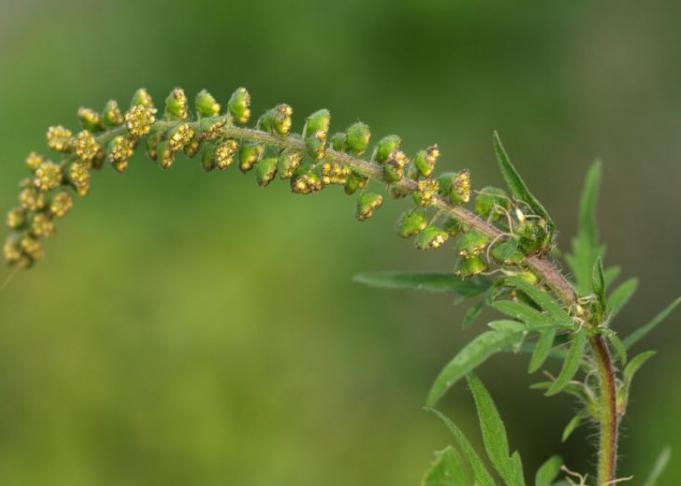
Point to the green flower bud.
(90, 119)
(31, 199)
(355, 182)
(412, 223)
(358, 137)
(386, 146)
(206, 105)
(472, 243)
(192, 147)
(306, 181)
(430, 238)
(397, 191)
(507, 253)
(334, 173)
(367, 203)
(225, 153)
(277, 120)
(79, 176)
(265, 171)
(249, 155)
(528, 277)
(16, 218)
(48, 176)
(111, 115)
(86, 147)
(179, 136)
(490, 203)
(426, 190)
(143, 98)
(316, 145)
(471, 266)
(452, 226)
(42, 225)
(33, 161)
(151, 143)
(139, 120)
(456, 186)
(208, 157)
(288, 163)
(210, 128)
(59, 138)
(31, 247)
(166, 156)
(339, 142)
(425, 160)
(239, 106)
(61, 203)
(11, 250)
(319, 121)
(533, 236)
(393, 166)
(119, 152)
(176, 105)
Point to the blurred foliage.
(193, 329)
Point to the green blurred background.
(193, 329)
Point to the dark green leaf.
(641, 332)
(481, 476)
(598, 282)
(542, 349)
(571, 364)
(635, 365)
(543, 300)
(473, 312)
(620, 296)
(659, 467)
(494, 434)
(617, 345)
(520, 311)
(548, 472)
(571, 426)
(432, 282)
(447, 469)
(469, 358)
(516, 184)
(585, 246)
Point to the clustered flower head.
(310, 161)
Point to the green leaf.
(571, 426)
(447, 469)
(548, 472)
(469, 358)
(641, 332)
(516, 184)
(659, 467)
(542, 350)
(473, 312)
(431, 282)
(585, 246)
(634, 365)
(571, 364)
(520, 311)
(617, 345)
(620, 296)
(481, 476)
(543, 300)
(598, 282)
(611, 274)
(494, 435)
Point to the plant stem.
(609, 419)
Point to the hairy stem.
(609, 419)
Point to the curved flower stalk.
(505, 242)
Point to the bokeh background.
(188, 328)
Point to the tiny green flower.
(412, 223)
(289, 161)
(59, 138)
(472, 243)
(111, 115)
(206, 105)
(239, 106)
(225, 152)
(176, 107)
(452, 226)
(143, 98)
(138, 120)
(33, 161)
(31, 199)
(339, 142)
(425, 160)
(119, 152)
(491, 202)
(471, 266)
(179, 136)
(166, 156)
(265, 171)
(430, 238)
(277, 120)
(306, 180)
(334, 173)
(393, 166)
(426, 191)
(90, 119)
(358, 137)
(61, 203)
(42, 225)
(79, 176)
(367, 203)
(16, 218)
(31, 247)
(48, 176)
(386, 146)
(456, 186)
(355, 182)
(507, 253)
(316, 133)
(85, 146)
(533, 236)
(249, 154)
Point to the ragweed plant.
(505, 241)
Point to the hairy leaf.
(659, 467)
(571, 426)
(571, 364)
(641, 332)
(494, 435)
(481, 475)
(548, 472)
(470, 357)
(516, 184)
(431, 282)
(617, 345)
(447, 469)
(621, 296)
(585, 246)
(598, 282)
(542, 350)
(634, 365)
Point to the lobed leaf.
(481, 475)
(641, 332)
(470, 357)
(430, 282)
(572, 362)
(448, 469)
(548, 472)
(494, 435)
(516, 184)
